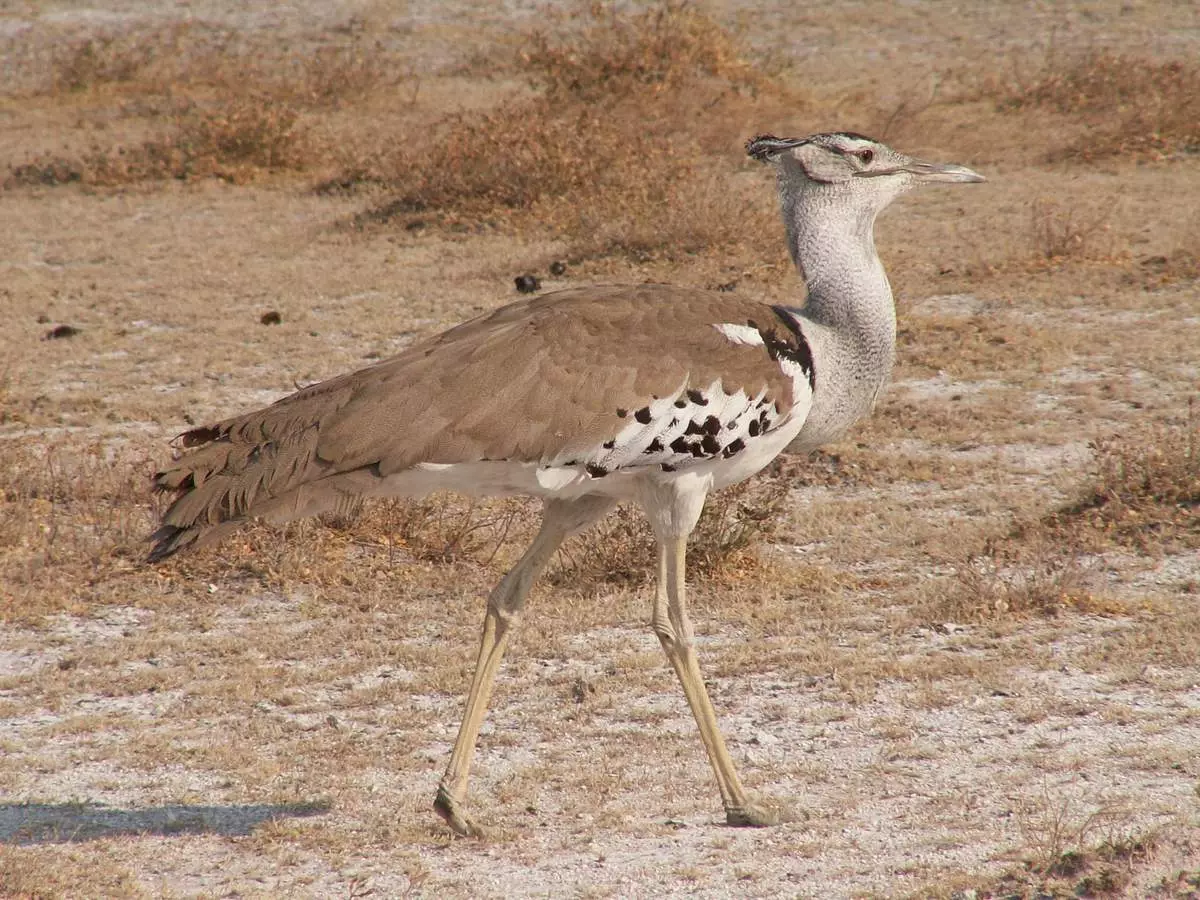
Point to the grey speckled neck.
(849, 318)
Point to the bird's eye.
(865, 156)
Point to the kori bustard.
(586, 398)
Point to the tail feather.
(222, 480)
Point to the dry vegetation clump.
(219, 108)
(233, 139)
(1006, 580)
(1145, 492)
(1061, 231)
(90, 62)
(71, 519)
(618, 151)
(735, 525)
(1105, 870)
(663, 49)
(1145, 495)
(1132, 106)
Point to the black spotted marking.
(710, 445)
(694, 427)
(734, 447)
(667, 467)
(697, 450)
(712, 425)
(197, 436)
(609, 445)
(655, 446)
(796, 348)
(596, 471)
(643, 415)
(681, 403)
(622, 412)
(753, 428)
(696, 397)
(681, 445)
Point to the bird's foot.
(452, 813)
(756, 814)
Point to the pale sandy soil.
(224, 730)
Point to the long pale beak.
(925, 171)
(945, 172)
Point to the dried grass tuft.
(1014, 581)
(618, 152)
(726, 544)
(1133, 107)
(1145, 492)
(663, 49)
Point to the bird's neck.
(849, 311)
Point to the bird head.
(852, 161)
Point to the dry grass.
(668, 48)
(87, 512)
(1049, 305)
(617, 152)
(1132, 106)
(217, 107)
(735, 527)
(1145, 492)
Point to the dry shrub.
(663, 49)
(618, 153)
(190, 60)
(89, 63)
(69, 519)
(735, 524)
(228, 110)
(244, 133)
(235, 138)
(1132, 106)
(1060, 231)
(1062, 862)
(1145, 492)
(1005, 583)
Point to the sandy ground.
(221, 729)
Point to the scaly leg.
(560, 520)
(674, 514)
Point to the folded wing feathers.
(574, 367)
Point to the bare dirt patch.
(962, 643)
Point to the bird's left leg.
(560, 520)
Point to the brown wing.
(531, 381)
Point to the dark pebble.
(558, 268)
(60, 331)
(271, 317)
(527, 284)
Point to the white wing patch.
(740, 334)
(693, 426)
(675, 432)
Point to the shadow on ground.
(45, 823)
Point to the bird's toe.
(455, 816)
(756, 814)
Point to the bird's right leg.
(560, 520)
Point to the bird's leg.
(674, 630)
(560, 520)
